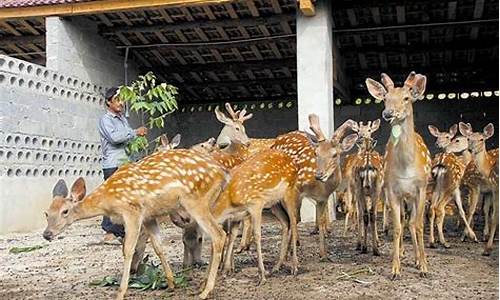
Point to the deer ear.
(453, 130)
(418, 87)
(60, 189)
(433, 130)
(465, 128)
(376, 89)
(222, 117)
(375, 125)
(78, 190)
(164, 140)
(175, 141)
(488, 131)
(349, 141)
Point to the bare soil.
(64, 268)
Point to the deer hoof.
(487, 252)
(376, 252)
(432, 245)
(395, 276)
(423, 274)
(364, 249)
(446, 245)
(262, 281)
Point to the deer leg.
(290, 201)
(348, 210)
(440, 222)
(413, 232)
(458, 202)
(153, 230)
(473, 198)
(486, 211)
(132, 231)
(374, 230)
(401, 236)
(229, 259)
(322, 205)
(282, 217)
(139, 251)
(256, 214)
(432, 218)
(246, 237)
(494, 223)
(420, 230)
(396, 232)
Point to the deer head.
(398, 101)
(443, 138)
(366, 130)
(62, 209)
(458, 144)
(166, 145)
(233, 131)
(476, 139)
(329, 150)
(206, 146)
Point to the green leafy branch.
(147, 96)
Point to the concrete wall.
(74, 47)
(49, 116)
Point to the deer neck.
(89, 207)
(235, 149)
(403, 139)
(482, 162)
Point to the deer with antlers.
(487, 165)
(447, 172)
(138, 193)
(406, 163)
(320, 166)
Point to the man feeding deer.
(115, 133)
(208, 185)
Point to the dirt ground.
(64, 268)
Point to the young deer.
(267, 179)
(368, 178)
(487, 165)
(320, 172)
(447, 172)
(406, 163)
(138, 193)
(364, 131)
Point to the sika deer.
(487, 164)
(406, 163)
(267, 179)
(319, 168)
(364, 132)
(367, 186)
(138, 193)
(447, 172)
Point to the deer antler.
(231, 112)
(314, 125)
(242, 117)
(341, 130)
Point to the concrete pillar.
(315, 75)
(74, 46)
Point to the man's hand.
(141, 131)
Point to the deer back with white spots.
(447, 171)
(487, 165)
(137, 193)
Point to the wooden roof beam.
(307, 7)
(97, 7)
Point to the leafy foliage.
(17, 250)
(156, 100)
(151, 278)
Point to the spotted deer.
(406, 163)
(138, 193)
(364, 131)
(268, 179)
(487, 165)
(319, 167)
(447, 171)
(366, 185)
